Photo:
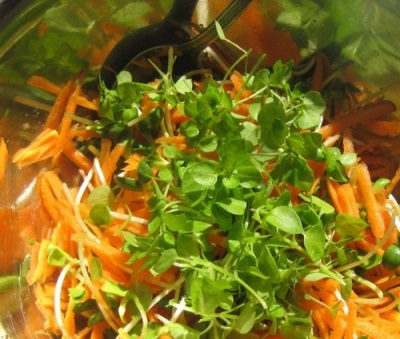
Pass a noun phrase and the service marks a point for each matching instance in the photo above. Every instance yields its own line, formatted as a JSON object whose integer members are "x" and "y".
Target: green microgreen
{"x": 234, "y": 180}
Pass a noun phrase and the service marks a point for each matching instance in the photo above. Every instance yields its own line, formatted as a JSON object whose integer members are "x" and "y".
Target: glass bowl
{"x": 57, "y": 38}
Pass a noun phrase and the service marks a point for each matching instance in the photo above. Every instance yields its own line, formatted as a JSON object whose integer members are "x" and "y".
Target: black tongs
{"x": 153, "y": 42}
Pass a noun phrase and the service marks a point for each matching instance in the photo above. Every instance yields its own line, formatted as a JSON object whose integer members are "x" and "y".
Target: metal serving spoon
{"x": 170, "y": 33}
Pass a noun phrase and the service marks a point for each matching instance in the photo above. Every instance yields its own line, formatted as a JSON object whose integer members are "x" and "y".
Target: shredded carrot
{"x": 3, "y": 159}
{"x": 55, "y": 115}
{"x": 110, "y": 165}
{"x": 84, "y": 102}
{"x": 41, "y": 148}
{"x": 384, "y": 128}
{"x": 393, "y": 182}
{"x": 374, "y": 214}
{"x": 177, "y": 139}
{"x": 348, "y": 197}
{"x": 77, "y": 157}
{"x": 360, "y": 116}
{"x": 332, "y": 188}
{"x": 43, "y": 83}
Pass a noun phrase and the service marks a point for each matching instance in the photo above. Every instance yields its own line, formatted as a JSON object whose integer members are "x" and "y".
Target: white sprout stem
{"x": 166, "y": 291}
{"x": 128, "y": 217}
{"x": 83, "y": 187}
{"x": 397, "y": 211}
{"x": 99, "y": 171}
{"x": 57, "y": 300}
{"x": 89, "y": 284}
{"x": 339, "y": 297}
{"x": 164, "y": 320}
{"x": 83, "y": 176}
{"x": 77, "y": 214}
{"x": 178, "y": 311}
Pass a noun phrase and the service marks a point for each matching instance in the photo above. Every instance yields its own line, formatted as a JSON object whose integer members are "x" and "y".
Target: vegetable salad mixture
{"x": 244, "y": 205}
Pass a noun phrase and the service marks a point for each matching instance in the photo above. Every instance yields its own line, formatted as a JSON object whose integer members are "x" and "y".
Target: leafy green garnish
{"x": 234, "y": 180}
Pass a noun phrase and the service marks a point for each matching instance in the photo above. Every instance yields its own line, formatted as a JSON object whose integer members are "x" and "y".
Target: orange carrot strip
{"x": 238, "y": 84}
{"x": 367, "y": 246}
{"x": 69, "y": 320}
{"x": 339, "y": 327}
{"x": 109, "y": 165}
{"x": 373, "y": 209}
{"x": 319, "y": 319}
{"x": 57, "y": 112}
{"x": 347, "y": 192}
{"x": 44, "y": 84}
{"x": 332, "y": 189}
{"x": 176, "y": 139}
{"x": 70, "y": 108}
{"x": 41, "y": 270}
{"x": 3, "y": 159}
{"x": 82, "y": 134}
{"x": 84, "y": 102}
{"x": 366, "y": 114}
{"x": 77, "y": 157}
{"x": 348, "y": 147}
{"x": 384, "y": 128}
{"x": 389, "y": 283}
{"x": 351, "y": 318}
{"x": 43, "y": 147}
{"x": 132, "y": 162}
{"x": 393, "y": 182}
{"x": 98, "y": 330}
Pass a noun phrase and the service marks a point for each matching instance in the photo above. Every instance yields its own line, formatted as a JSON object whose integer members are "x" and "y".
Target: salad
{"x": 243, "y": 205}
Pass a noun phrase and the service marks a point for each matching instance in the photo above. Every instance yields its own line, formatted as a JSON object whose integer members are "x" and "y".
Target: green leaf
{"x": 309, "y": 145}
{"x": 250, "y": 132}
{"x": 100, "y": 215}
{"x": 176, "y": 221}
{"x": 285, "y": 219}
{"x": 170, "y": 151}
{"x": 294, "y": 170}
{"x": 183, "y": 85}
{"x": 129, "y": 184}
{"x": 113, "y": 288}
{"x": 348, "y": 226}
{"x": 164, "y": 262}
{"x": 96, "y": 268}
{"x": 204, "y": 173}
{"x": 281, "y": 72}
{"x": 314, "y": 107}
{"x": 123, "y": 77}
{"x": 101, "y": 195}
{"x": 77, "y": 293}
{"x": 57, "y": 257}
{"x": 180, "y": 331}
{"x": 347, "y": 159}
{"x": 314, "y": 242}
{"x": 245, "y": 322}
{"x": 274, "y": 129}
{"x": 233, "y": 206}
{"x": 261, "y": 79}
{"x": 268, "y": 266}
{"x": 187, "y": 246}
{"x": 144, "y": 172}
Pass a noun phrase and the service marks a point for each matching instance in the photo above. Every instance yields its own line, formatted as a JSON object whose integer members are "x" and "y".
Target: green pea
{"x": 391, "y": 257}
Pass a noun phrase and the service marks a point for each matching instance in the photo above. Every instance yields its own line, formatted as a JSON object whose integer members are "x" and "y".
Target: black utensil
{"x": 187, "y": 51}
